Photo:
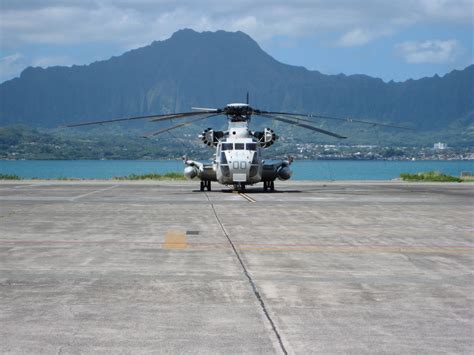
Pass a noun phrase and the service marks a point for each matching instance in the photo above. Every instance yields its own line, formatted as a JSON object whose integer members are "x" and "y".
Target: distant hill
{"x": 214, "y": 68}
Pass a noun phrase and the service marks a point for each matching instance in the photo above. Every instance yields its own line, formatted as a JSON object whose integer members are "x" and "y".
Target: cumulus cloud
{"x": 358, "y": 37}
{"x": 433, "y": 51}
{"x": 127, "y": 22}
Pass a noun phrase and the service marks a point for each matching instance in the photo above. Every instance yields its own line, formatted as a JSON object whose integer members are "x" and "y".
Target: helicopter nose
{"x": 240, "y": 164}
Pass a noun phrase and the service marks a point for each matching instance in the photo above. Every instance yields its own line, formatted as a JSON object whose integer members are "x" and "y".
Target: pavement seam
{"x": 250, "y": 279}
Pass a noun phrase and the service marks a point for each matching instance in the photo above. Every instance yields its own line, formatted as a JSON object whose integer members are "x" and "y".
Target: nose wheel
{"x": 239, "y": 187}
{"x": 269, "y": 185}
{"x": 205, "y": 184}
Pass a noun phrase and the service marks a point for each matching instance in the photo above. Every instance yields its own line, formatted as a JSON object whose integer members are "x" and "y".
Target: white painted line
{"x": 23, "y": 186}
{"x": 92, "y": 192}
{"x": 247, "y": 197}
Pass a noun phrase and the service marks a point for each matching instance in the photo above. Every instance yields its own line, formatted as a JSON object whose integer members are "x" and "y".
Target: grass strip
{"x": 434, "y": 176}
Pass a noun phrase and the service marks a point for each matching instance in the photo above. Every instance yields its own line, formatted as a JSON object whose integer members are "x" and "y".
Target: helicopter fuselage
{"x": 238, "y": 158}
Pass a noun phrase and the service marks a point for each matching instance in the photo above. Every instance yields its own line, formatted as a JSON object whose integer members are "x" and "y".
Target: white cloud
{"x": 126, "y": 22}
{"x": 11, "y": 65}
{"x": 356, "y": 37}
{"x": 50, "y": 61}
{"x": 433, "y": 51}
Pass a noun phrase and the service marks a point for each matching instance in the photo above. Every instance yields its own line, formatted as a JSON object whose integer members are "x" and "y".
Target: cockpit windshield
{"x": 239, "y": 146}
{"x": 251, "y": 146}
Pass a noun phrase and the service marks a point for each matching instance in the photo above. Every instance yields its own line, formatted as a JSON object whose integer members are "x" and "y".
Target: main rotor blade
{"x": 177, "y": 126}
{"x": 205, "y": 109}
{"x": 334, "y": 118}
{"x": 183, "y": 115}
{"x": 296, "y": 123}
{"x": 162, "y": 117}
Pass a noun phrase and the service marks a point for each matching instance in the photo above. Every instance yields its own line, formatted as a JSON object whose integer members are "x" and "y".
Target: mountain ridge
{"x": 215, "y": 68}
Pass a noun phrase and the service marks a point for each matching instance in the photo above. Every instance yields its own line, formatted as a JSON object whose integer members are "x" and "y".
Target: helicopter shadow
{"x": 251, "y": 191}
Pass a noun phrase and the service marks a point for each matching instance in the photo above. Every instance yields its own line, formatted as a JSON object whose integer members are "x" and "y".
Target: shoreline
{"x": 196, "y": 182}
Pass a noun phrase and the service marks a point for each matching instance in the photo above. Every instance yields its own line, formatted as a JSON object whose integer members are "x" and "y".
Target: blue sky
{"x": 392, "y": 40}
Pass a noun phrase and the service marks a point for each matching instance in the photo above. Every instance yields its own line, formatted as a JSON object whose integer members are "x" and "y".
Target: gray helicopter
{"x": 238, "y": 159}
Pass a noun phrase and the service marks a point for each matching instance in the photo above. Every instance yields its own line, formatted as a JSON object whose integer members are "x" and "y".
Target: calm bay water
{"x": 302, "y": 170}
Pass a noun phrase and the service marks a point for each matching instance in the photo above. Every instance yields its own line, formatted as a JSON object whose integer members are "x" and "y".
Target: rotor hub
{"x": 238, "y": 112}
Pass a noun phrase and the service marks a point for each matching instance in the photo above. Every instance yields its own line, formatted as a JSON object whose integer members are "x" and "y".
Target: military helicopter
{"x": 238, "y": 159}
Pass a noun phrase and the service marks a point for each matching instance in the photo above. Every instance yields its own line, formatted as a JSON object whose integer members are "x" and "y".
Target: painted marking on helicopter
{"x": 175, "y": 240}
{"x": 75, "y": 198}
{"x": 238, "y": 177}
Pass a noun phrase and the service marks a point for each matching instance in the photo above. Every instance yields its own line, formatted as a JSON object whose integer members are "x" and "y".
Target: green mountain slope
{"x": 214, "y": 68}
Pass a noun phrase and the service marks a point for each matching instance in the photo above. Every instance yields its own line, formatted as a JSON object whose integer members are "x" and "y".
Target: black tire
{"x": 265, "y": 186}
{"x": 208, "y": 186}
{"x": 202, "y": 186}
{"x": 272, "y": 186}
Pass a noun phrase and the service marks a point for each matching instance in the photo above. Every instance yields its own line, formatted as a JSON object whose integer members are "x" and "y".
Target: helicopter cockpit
{"x": 239, "y": 146}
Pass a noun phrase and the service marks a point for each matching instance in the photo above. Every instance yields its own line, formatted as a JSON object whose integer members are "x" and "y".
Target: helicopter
{"x": 238, "y": 160}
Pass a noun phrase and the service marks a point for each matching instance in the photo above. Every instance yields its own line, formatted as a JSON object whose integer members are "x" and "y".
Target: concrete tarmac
{"x": 159, "y": 267}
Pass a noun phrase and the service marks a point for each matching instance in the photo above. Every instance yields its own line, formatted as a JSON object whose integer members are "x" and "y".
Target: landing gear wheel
{"x": 268, "y": 185}
{"x": 205, "y": 184}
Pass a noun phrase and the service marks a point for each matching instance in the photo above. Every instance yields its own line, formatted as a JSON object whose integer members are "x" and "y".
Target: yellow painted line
{"x": 175, "y": 240}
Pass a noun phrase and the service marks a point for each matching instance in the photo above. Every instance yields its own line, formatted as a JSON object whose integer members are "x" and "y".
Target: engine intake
{"x": 211, "y": 137}
{"x": 266, "y": 138}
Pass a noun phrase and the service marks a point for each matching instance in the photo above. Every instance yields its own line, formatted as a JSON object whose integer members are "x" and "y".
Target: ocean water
{"x": 302, "y": 170}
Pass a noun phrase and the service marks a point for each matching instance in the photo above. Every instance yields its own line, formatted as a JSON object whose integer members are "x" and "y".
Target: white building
{"x": 440, "y": 146}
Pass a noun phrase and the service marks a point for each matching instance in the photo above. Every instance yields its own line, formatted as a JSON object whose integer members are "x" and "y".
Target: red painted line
{"x": 239, "y": 244}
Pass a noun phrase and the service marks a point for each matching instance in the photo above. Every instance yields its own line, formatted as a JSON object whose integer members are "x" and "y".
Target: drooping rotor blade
{"x": 205, "y": 109}
{"x": 178, "y": 126}
{"x": 332, "y": 118}
{"x": 162, "y": 117}
{"x": 183, "y": 115}
{"x": 294, "y": 122}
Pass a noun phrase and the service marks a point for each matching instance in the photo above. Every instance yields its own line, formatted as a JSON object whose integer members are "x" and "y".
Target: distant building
{"x": 440, "y": 146}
